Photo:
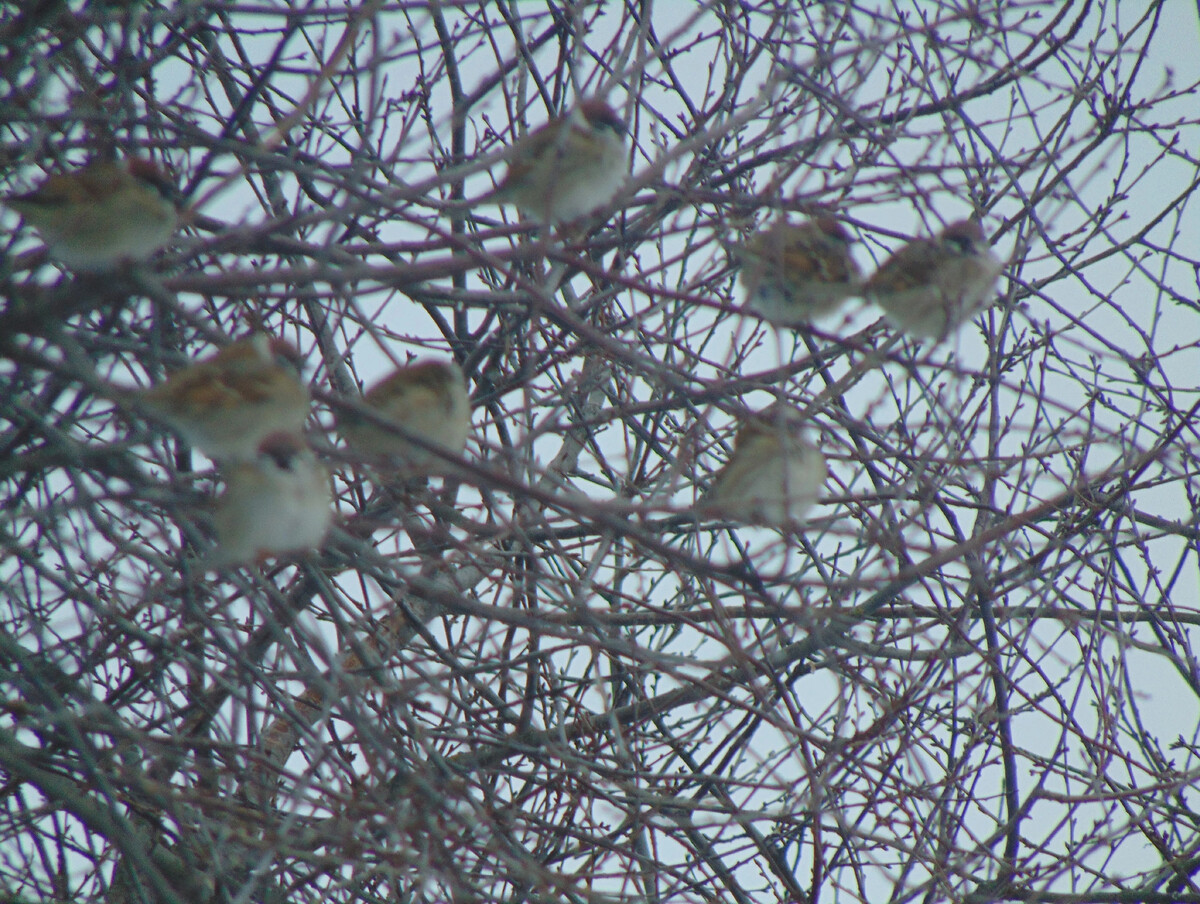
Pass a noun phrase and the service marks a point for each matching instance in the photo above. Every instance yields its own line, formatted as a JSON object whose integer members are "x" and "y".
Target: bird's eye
{"x": 961, "y": 244}
{"x": 283, "y": 458}
{"x": 614, "y": 125}
{"x": 286, "y": 354}
{"x": 151, "y": 175}
{"x": 835, "y": 231}
{"x": 607, "y": 120}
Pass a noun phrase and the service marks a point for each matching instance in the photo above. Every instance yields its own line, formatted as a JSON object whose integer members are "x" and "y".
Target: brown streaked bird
{"x": 794, "y": 273}
{"x": 101, "y": 215}
{"x": 773, "y": 477}
{"x": 427, "y": 399}
{"x": 279, "y": 502}
{"x": 227, "y": 404}
{"x": 932, "y": 286}
{"x": 570, "y": 167}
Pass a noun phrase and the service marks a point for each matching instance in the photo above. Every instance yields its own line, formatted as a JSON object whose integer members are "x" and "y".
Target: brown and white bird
{"x": 227, "y": 404}
{"x": 103, "y": 214}
{"x": 773, "y": 477}
{"x": 932, "y": 286}
{"x": 794, "y": 273}
{"x": 427, "y": 400}
{"x": 571, "y": 166}
{"x": 280, "y": 502}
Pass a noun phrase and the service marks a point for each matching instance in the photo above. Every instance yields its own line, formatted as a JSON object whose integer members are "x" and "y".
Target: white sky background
{"x": 1098, "y": 316}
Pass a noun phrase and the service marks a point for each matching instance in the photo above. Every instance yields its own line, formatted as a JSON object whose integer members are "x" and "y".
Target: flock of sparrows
{"x": 246, "y": 406}
{"x": 793, "y": 273}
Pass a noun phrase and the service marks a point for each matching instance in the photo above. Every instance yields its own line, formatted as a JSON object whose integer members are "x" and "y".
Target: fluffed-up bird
{"x": 773, "y": 477}
{"x": 103, "y": 214}
{"x": 427, "y": 400}
{"x": 793, "y": 273}
{"x": 280, "y": 502}
{"x": 571, "y": 166}
{"x": 227, "y": 404}
{"x": 932, "y": 286}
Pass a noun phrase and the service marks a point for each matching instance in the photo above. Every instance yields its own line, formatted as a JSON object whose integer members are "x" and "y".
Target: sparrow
{"x": 227, "y": 404}
{"x": 773, "y": 476}
{"x": 427, "y": 400}
{"x": 932, "y": 286}
{"x": 279, "y": 502}
{"x": 567, "y": 168}
{"x": 103, "y": 214}
{"x": 792, "y": 274}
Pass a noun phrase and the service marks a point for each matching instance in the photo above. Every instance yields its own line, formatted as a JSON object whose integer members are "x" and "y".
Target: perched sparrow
{"x": 792, "y": 274}
{"x": 229, "y": 403}
{"x": 278, "y": 503}
{"x": 930, "y": 287}
{"x": 428, "y": 400}
{"x": 568, "y": 167}
{"x": 773, "y": 476}
{"x": 105, "y": 213}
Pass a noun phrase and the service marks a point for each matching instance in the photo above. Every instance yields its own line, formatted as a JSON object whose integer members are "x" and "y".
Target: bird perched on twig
{"x": 931, "y": 286}
{"x": 103, "y": 214}
{"x": 773, "y": 477}
{"x": 427, "y": 400}
{"x": 567, "y": 168}
{"x": 280, "y": 502}
{"x": 794, "y": 273}
{"x": 227, "y": 404}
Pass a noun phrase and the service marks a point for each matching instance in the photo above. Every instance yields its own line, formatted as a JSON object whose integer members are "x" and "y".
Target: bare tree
{"x": 969, "y": 678}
